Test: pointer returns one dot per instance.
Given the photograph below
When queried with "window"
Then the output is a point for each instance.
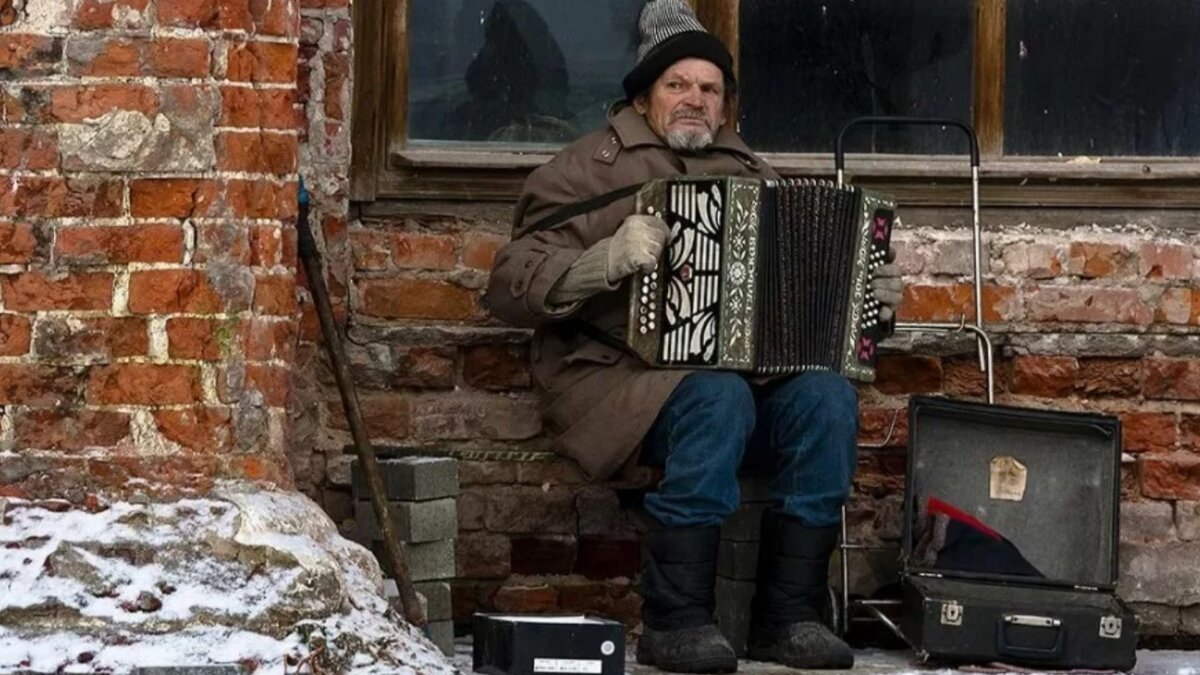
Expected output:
(487, 89)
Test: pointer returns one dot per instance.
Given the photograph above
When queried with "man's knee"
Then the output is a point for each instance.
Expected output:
(727, 397)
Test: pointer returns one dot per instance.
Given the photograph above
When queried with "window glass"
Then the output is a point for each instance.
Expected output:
(809, 66)
(516, 71)
(1102, 77)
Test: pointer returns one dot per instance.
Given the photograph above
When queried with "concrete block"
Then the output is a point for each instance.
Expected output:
(737, 560)
(733, 611)
(427, 561)
(437, 596)
(415, 521)
(745, 523)
(410, 478)
(441, 633)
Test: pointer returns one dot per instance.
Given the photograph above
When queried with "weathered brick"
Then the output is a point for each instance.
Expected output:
(35, 385)
(494, 417)
(1165, 261)
(1032, 260)
(269, 340)
(1048, 376)
(1147, 521)
(908, 374)
(79, 103)
(1172, 379)
(386, 415)
(207, 429)
(877, 425)
(29, 149)
(526, 599)
(1187, 520)
(204, 339)
(260, 199)
(34, 291)
(531, 510)
(267, 245)
(57, 197)
(1170, 476)
(479, 250)
(482, 555)
(275, 294)
(418, 299)
(1149, 432)
(337, 75)
(258, 108)
(101, 14)
(120, 245)
(1097, 260)
(178, 57)
(172, 197)
(273, 382)
(99, 57)
(1109, 377)
(257, 152)
(950, 303)
(26, 55)
(18, 244)
(422, 251)
(1089, 305)
(190, 13)
(261, 62)
(100, 339)
(70, 429)
(1189, 433)
(424, 367)
(1175, 306)
(143, 384)
(543, 555)
(371, 249)
(497, 367)
(14, 335)
(224, 242)
(274, 18)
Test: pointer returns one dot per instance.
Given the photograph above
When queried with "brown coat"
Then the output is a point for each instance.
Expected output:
(600, 401)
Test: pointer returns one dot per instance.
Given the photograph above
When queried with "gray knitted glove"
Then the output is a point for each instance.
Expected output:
(637, 245)
(888, 287)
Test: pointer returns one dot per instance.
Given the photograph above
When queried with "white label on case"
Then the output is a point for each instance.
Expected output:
(567, 666)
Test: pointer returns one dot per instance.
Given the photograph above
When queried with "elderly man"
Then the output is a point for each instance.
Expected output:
(604, 403)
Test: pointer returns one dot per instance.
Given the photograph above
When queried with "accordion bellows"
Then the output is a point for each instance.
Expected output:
(767, 277)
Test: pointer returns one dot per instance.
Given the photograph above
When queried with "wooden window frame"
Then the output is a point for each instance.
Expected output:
(384, 167)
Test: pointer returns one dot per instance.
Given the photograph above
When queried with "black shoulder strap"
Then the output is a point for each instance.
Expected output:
(578, 208)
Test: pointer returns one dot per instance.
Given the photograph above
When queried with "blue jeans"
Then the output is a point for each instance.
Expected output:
(803, 430)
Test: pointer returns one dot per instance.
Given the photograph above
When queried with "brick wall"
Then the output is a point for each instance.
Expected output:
(148, 153)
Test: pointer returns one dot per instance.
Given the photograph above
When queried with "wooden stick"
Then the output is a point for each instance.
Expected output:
(311, 258)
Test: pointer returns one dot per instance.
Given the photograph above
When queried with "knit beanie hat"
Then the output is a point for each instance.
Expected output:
(670, 32)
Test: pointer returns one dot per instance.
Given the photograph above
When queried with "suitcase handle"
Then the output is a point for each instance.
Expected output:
(1006, 648)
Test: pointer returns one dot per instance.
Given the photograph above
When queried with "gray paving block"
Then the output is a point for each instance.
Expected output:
(441, 633)
(437, 596)
(745, 523)
(224, 669)
(410, 478)
(733, 611)
(737, 559)
(414, 521)
(427, 561)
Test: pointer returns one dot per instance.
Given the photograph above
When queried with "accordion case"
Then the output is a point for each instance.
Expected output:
(768, 277)
(1010, 537)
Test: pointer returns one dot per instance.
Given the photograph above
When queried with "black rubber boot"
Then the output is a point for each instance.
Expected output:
(793, 585)
(679, 569)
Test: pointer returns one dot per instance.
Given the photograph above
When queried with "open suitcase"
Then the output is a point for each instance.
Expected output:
(1047, 482)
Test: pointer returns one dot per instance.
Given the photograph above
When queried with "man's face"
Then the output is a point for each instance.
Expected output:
(686, 105)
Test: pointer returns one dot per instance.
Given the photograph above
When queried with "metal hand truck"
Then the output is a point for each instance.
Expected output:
(872, 610)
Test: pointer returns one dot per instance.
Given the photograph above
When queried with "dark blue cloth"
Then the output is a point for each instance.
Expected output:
(802, 430)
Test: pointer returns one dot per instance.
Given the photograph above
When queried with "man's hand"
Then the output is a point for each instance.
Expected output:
(888, 287)
(637, 245)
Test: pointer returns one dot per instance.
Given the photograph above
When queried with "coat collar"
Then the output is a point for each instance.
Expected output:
(632, 130)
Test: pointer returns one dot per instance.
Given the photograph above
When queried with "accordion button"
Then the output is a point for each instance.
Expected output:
(651, 326)
(642, 330)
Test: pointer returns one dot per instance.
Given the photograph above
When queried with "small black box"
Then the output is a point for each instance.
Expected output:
(508, 644)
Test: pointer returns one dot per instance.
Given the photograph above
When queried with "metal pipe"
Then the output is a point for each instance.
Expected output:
(981, 336)
(978, 240)
(845, 575)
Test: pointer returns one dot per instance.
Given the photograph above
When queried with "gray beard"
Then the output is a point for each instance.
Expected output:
(688, 140)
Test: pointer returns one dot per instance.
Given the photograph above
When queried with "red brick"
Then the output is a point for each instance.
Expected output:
(99, 338)
(1189, 433)
(29, 149)
(424, 367)
(206, 429)
(144, 384)
(78, 103)
(275, 294)
(98, 57)
(880, 473)
(1148, 432)
(259, 108)
(34, 291)
(875, 424)
(204, 339)
(526, 599)
(418, 299)
(172, 197)
(543, 555)
(100, 14)
(1165, 261)
(26, 55)
(273, 382)
(950, 303)
(482, 555)
(266, 245)
(1089, 305)
(337, 74)
(908, 374)
(223, 242)
(15, 335)
(386, 415)
(420, 251)
(37, 385)
(1172, 379)
(178, 291)
(479, 250)
(274, 18)
(259, 468)
(371, 250)
(1095, 260)
(1170, 476)
(961, 376)
(261, 62)
(1109, 377)
(1048, 376)
(12, 108)
(70, 429)
(179, 57)
(266, 340)
(496, 366)
(189, 13)
(17, 243)
(1175, 306)
(261, 199)
(57, 197)
(120, 245)
(257, 152)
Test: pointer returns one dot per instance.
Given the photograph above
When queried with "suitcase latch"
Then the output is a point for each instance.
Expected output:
(1110, 627)
(951, 613)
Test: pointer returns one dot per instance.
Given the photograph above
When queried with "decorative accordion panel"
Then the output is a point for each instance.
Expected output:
(767, 277)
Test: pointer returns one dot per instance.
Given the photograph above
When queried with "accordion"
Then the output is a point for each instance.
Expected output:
(762, 276)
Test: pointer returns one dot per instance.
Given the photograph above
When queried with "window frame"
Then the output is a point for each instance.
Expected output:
(383, 166)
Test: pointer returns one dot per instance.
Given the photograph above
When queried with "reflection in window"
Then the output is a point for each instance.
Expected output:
(1102, 77)
(516, 71)
(808, 67)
